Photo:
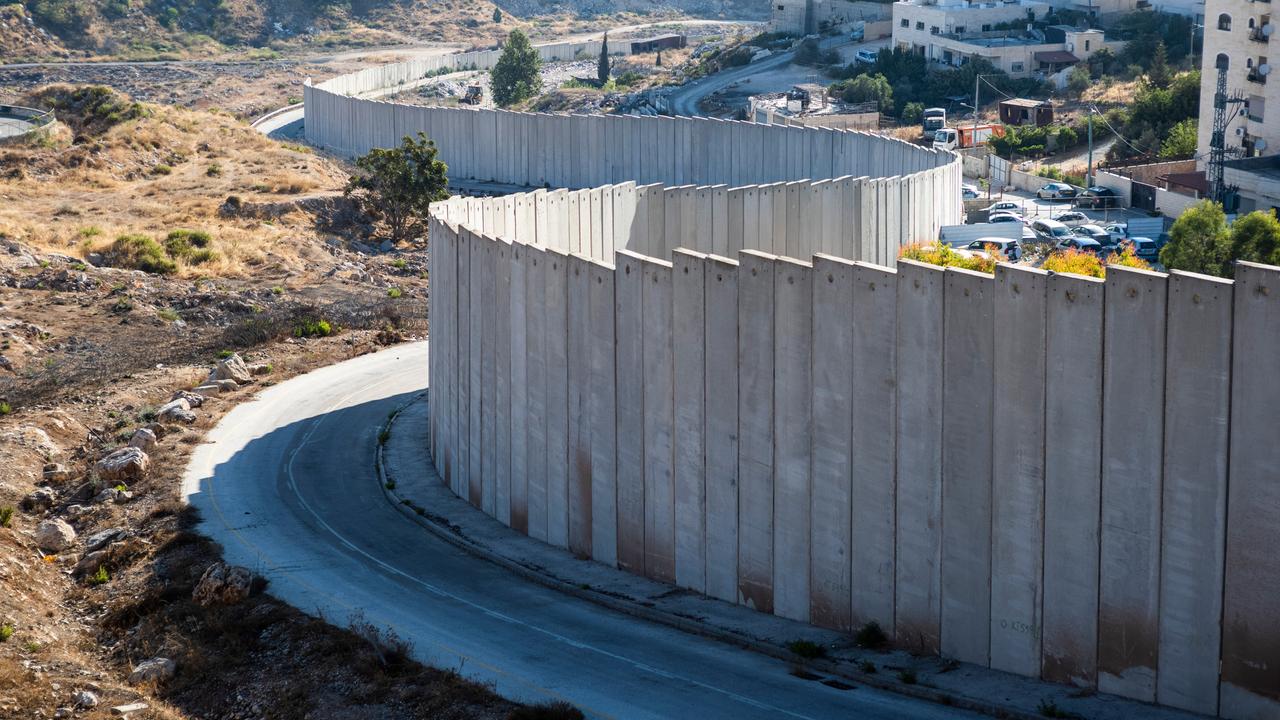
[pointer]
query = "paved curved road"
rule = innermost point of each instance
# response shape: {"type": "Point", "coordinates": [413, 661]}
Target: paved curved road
{"type": "Point", "coordinates": [286, 484]}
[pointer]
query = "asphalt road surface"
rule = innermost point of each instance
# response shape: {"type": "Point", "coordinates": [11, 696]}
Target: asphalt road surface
{"type": "Point", "coordinates": [286, 483]}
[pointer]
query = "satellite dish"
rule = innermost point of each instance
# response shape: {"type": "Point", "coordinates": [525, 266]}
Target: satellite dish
{"type": "Point", "coordinates": [1260, 144]}
{"type": "Point", "coordinates": [1264, 69]}
{"type": "Point", "coordinates": [1239, 132]}
{"type": "Point", "coordinates": [1267, 30]}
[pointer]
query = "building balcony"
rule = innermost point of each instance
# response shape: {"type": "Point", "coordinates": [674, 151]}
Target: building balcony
{"type": "Point", "coordinates": [1258, 34]}
{"type": "Point", "coordinates": [1257, 77]}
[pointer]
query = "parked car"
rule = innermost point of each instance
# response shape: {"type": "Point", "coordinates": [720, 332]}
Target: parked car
{"type": "Point", "coordinates": [1144, 248]}
{"type": "Point", "coordinates": [1052, 230]}
{"type": "Point", "coordinates": [1002, 217]}
{"type": "Point", "coordinates": [1009, 249]}
{"type": "Point", "coordinates": [1081, 243]}
{"type": "Point", "coordinates": [969, 192]}
{"type": "Point", "coordinates": [1097, 234]}
{"type": "Point", "coordinates": [1117, 231]}
{"type": "Point", "coordinates": [865, 56]}
{"type": "Point", "coordinates": [1072, 218]}
{"type": "Point", "coordinates": [1098, 197]}
{"type": "Point", "coordinates": [1056, 191]}
{"type": "Point", "coordinates": [1029, 235]}
{"type": "Point", "coordinates": [1005, 206]}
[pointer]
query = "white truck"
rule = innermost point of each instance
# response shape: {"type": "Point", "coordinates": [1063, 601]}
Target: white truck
{"type": "Point", "coordinates": [965, 136]}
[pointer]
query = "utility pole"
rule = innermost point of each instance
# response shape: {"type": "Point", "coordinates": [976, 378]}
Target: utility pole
{"type": "Point", "coordinates": [1088, 176]}
{"type": "Point", "coordinates": [976, 79]}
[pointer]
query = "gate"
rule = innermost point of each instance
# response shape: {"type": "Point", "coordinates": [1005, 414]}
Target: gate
{"type": "Point", "coordinates": [1144, 196]}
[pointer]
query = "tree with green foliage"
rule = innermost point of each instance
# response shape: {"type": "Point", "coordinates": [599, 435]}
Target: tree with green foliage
{"type": "Point", "coordinates": [1199, 241]}
{"type": "Point", "coordinates": [602, 67]}
{"type": "Point", "coordinates": [866, 88]}
{"type": "Point", "coordinates": [497, 15]}
{"type": "Point", "coordinates": [1079, 79]}
{"type": "Point", "coordinates": [1181, 140]}
{"type": "Point", "coordinates": [912, 113]}
{"type": "Point", "coordinates": [1256, 238]}
{"type": "Point", "coordinates": [516, 76]}
{"type": "Point", "coordinates": [1159, 74]}
{"type": "Point", "coordinates": [397, 185]}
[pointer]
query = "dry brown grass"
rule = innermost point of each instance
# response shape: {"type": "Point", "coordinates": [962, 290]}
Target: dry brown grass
{"type": "Point", "coordinates": [1118, 92]}
{"type": "Point", "coordinates": [170, 170]}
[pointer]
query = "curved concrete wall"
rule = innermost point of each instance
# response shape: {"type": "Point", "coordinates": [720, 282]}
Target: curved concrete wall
{"type": "Point", "coordinates": [672, 363]}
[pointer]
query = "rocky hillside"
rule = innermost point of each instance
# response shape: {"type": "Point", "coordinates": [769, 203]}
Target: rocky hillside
{"type": "Point", "coordinates": [180, 29]}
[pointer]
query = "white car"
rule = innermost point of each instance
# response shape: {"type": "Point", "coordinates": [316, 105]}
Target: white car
{"type": "Point", "coordinates": [969, 192]}
{"type": "Point", "coordinates": [1118, 231]}
{"type": "Point", "coordinates": [1005, 206]}
{"type": "Point", "coordinates": [1056, 191]}
{"type": "Point", "coordinates": [1004, 217]}
{"type": "Point", "coordinates": [866, 56]}
{"type": "Point", "coordinates": [1008, 249]}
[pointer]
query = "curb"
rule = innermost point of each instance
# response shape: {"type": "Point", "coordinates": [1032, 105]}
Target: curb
{"type": "Point", "coordinates": [441, 529]}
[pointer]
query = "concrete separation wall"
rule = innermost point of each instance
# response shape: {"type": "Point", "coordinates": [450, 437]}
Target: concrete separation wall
{"type": "Point", "coordinates": [968, 461]}
{"type": "Point", "coordinates": [692, 361]}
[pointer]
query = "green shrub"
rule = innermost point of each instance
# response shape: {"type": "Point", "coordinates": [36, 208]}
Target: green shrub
{"type": "Point", "coordinates": [90, 231]}
{"type": "Point", "coordinates": [806, 649]}
{"type": "Point", "coordinates": [161, 169]}
{"type": "Point", "coordinates": [140, 252]}
{"type": "Point", "coordinates": [5, 408]}
{"type": "Point", "coordinates": [224, 354]}
{"type": "Point", "coordinates": [394, 293]}
{"type": "Point", "coordinates": [6, 516]}
{"type": "Point", "coordinates": [6, 632]}
{"type": "Point", "coordinates": [313, 328]}
{"type": "Point", "coordinates": [167, 314]}
{"type": "Point", "coordinates": [101, 577]}
{"type": "Point", "coordinates": [214, 170]}
{"type": "Point", "coordinates": [871, 636]}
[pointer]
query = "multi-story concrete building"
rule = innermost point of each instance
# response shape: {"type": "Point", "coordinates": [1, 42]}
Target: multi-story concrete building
{"type": "Point", "coordinates": [954, 31]}
{"type": "Point", "coordinates": [1239, 40]}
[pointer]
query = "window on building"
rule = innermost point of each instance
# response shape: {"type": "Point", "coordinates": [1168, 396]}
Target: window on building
{"type": "Point", "coordinates": [1222, 62]}
{"type": "Point", "coordinates": [906, 23]}
{"type": "Point", "coordinates": [986, 27]}
{"type": "Point", "coordinates": [1257, 104]}
{"type": "Point", "coordinates": [1224, 22]}
{"type": "Point", "coordinates": [919, 25]}
{"type": "Point", "coordinates": [933, 30]}
{"type": "Point", "coordinates": [1015, 67]}
{"type": "Point", "coordinates": [1086, 46]}
{"type": "Point", "coordinates": [959, 29]}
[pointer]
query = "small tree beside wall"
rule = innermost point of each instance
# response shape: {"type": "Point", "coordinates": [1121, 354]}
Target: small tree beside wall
{"type": "Point", "coordinates": [395, 186]}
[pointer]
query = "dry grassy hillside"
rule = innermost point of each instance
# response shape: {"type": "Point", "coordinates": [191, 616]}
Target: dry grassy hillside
{"type": "Point", "coordinates": [202, 29]}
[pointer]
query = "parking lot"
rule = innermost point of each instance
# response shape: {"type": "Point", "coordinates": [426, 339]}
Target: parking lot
{"type": "Point", "coordinates": [1034, 208]}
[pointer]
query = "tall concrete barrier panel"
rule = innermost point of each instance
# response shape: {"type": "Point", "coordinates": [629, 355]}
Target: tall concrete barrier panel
{"type": "Point", "coordinates": [659, 422]}
{"type": "Point", "coordinates": [1017, 486]}
{"type": "Point", "coordinates": [689, 348]}
{"type": "Point", "coordinates": [475, 423]}
{"type": "Point", "coordinates": [629, 326]}
{"type": "Point", "coordinates": [536, 262]}
{"type": "Point", "coordinates": [793, 437]}
{"type": "Point", "coordinates": [1132, 460]}
{"type": "Point", "coordinates": [720, 283]}
{"type": "Point", "coordinates": [488, 378]}
{"type": "Point", "coordinates": [1250, 635]}
{"type": "Point", "coordinates": [602, 399]}
{"type": "Point", "coordinates": [967, 435]}
{"type": "Point", "coordinates": [832, 458]}
{"type": "Point", "coordinates": [520, 262]}
{"type": "Point", "coordinates": [873, 447]}
{"type": "Point", "coordinates": [502, 381]}
{"type": "Point", "coordinates": [719, 219]}
{"type": "Point", "coordinates": [1197, 402]}
{"type": "Point", "coordinates": [918, 598]}
{"type": "Point", "coordinates": [578, 358]}
{"type": "Point", "coordinates": [755, 429]}
{"type": "Point", "coordinates": [557, 398]}
{"type": "Point", "coordinates": [1073, 478]}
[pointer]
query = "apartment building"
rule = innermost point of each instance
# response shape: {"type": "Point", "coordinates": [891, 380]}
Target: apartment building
{"type": "Point", "coordinates": [805, 17]}
{"type": "Point", "coordinates": [953, 32]}
{"type": "Point", "coordinates": [1239, 40]}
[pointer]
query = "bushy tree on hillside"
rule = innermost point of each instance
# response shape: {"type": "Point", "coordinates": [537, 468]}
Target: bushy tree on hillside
{"type": "Point", "coordinates": [515, 78]}
{"type": "Point", "coordinates": [1256, 238]}
{"type": "Point", "coordinates": [397, 185]}
{"type": "Point", "coordinates": [1199, 241]}
{"type": "Point", "coordinates": [1181, 140]}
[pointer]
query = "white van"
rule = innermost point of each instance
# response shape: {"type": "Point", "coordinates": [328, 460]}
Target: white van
{"type": "Point", "coordinates": [866, 56]}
